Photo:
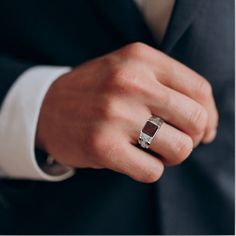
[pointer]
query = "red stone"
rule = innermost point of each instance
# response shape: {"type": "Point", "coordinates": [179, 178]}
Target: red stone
{"type": "Point", "coordinates": [150, 129]}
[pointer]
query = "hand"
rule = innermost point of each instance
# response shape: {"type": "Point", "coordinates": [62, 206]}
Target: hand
{"type": "Point", "coordinates": [92, 116]}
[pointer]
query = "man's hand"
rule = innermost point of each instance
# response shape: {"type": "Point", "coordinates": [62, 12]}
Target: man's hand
{"type": "Point", "coordinates": [92, 116]}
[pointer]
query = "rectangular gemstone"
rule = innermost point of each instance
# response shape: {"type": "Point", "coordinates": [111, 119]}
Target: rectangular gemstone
{"type": "Point", "coordinates": [150, 128]}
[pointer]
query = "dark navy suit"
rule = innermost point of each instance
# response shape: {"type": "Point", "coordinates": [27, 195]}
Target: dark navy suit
{"type": "Point", "coordinates": [196, 197]}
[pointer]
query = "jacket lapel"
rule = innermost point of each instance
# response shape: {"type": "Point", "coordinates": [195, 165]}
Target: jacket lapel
{"type": "Point", "coordinates": [124, 17]}
{"type": "Point", "coordinates": [184, 13]}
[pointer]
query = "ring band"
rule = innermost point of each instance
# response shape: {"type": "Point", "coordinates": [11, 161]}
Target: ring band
{"type": "Point", "coordinates": [150, 129]}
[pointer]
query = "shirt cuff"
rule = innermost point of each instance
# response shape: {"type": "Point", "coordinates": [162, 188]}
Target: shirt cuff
{"type": "Point", "coordinates": [18, 122]}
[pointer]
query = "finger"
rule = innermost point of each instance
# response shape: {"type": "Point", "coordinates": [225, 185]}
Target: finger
{"type": "Point", "coordinates": [179, 110]}
{"type": "Point", "coordinates": [180, 78]}
{"type": "Point", "coordinates": [131, 161]}
{"type": "Point", "coordinates": [171, 144]}
{"type": "Point", "coordinates": [186, 81]}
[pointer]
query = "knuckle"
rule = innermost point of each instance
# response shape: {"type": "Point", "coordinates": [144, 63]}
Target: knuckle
{"type": "Point", "coordinates": [118, 78]}
{"type": "Point", "coordinates": [184, 146]}
{"type": "Point", "coordinates": [106, 110]}
{"type": "Point", "coordinates": [134, 50]}
{"type": "Point", "coordinates": [103, 148]}
{"type": "Point", "coordinates": [151, 175]}
{"type": "Point", "coordinates": [197, 139]}
{"type": "Point", "coordinates": [123, 80]}
{"type": "Point", "coordinates": [198, 120]}
{"type": "Point", "coordinates": [97, 143]}
{"type": "Point", "coordinates": [204, 89]}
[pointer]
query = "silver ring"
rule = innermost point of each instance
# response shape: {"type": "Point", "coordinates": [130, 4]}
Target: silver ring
{"type": "Point", "coordinates": [150, 129]}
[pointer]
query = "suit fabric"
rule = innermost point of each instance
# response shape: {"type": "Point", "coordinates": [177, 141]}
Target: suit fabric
{"type": "Point", "coordinates": [196, 197]}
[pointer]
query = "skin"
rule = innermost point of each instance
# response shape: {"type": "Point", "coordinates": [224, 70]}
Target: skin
{"type": "Point", "coordinates": [91, 117]}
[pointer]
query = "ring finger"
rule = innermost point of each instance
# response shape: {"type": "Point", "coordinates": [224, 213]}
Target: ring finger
{"type": "Point", "coordinates": [173, 145]}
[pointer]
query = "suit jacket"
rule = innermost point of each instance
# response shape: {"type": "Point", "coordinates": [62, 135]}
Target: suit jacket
{"type": "Point", "coordinates": [196, 197]}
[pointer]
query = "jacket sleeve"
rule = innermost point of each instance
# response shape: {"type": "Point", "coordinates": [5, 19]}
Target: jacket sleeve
{"type": "Point", "coordinates": [22, 93]}
{"type": "Point", "coordinates": [10, 69]}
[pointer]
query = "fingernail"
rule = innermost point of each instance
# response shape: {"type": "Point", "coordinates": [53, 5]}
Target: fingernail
{"type": "Point", "coordinates": [210, 137]}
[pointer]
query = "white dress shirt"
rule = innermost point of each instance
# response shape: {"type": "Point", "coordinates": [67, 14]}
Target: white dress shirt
{"type": "Point", "coordinates": [21, 107]}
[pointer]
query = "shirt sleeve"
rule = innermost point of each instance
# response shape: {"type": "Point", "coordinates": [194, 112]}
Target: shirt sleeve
{"type": "Point", "coordinates": [18, 122]}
